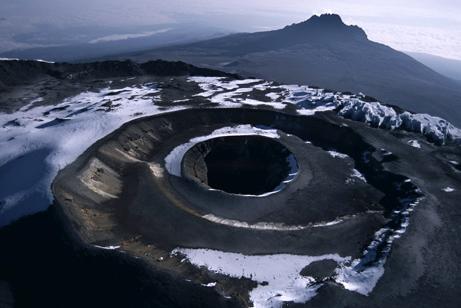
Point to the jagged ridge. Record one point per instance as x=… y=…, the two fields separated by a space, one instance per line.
x=21 y=72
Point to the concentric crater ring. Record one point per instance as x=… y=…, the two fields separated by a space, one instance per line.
x=125 y=180
x=144 y=187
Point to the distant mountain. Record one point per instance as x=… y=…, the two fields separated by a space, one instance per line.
x=448 y=67
x=325 y=52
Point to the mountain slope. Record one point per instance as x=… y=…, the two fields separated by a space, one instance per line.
x=448 y=67
x=323 y=51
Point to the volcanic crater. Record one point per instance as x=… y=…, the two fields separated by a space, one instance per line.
x=255 y=177
x=251 y=165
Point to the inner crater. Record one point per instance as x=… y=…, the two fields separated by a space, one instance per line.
x=250 y=165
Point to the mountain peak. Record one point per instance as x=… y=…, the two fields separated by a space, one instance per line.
x=328 y=25
x=327 y=19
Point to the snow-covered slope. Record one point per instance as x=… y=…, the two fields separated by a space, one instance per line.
x=310 y=100
x=37 y=142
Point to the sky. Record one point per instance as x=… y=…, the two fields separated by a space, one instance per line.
x=429 y=26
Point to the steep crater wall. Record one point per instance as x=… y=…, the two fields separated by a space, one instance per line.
x=239 y=164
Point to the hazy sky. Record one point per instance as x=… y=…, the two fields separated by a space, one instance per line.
x=431 y=26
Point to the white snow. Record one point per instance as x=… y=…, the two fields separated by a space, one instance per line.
x=372 y=113
x=174 y=158
x=357 y=277
x=212 y=85
x=271 y=226
x=107 y=247
x=225 y=92
x=273 y=96
x=312 y=111
x=414 y=143
x=433 y=127
x=448 y=189
x=378 y=115
x=357 y=175
x=281 y=272
x=209 y=285
x=256 y=226
x=44 y=61
x=337 y=154
x=362 y=282
x=310 y=100
x=181 y=100
x=253 y=102
x=37 y=154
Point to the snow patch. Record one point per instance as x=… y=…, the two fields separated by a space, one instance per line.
x=225 y=92
x=337 y=154
x=107 y=247
x=357 y=175
x=278 y=275
x=414 y=143
x=209 y=285
x=89 y=116
x=309 y=100
x=273 y=96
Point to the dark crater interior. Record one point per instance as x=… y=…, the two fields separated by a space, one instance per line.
x=239 y=164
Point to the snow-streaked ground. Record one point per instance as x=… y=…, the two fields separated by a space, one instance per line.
x=270 y=226
x=37 y=142
x=278 y=275
x=309 y=101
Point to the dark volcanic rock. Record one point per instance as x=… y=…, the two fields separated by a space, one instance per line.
x=179 y=68
x=22 y=72
x=320 y=269
x=46 y=267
